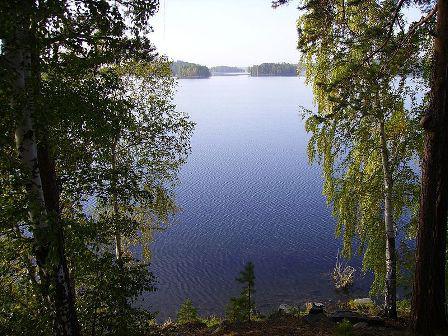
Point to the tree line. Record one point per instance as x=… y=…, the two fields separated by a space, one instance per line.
x=182 y=69
x=274 y=69
x=368 y=65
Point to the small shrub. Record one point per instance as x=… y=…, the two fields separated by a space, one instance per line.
x=403 y=307
x=238 y=309
x=297 y=312
x=368 y=308
x=211 y=321
x=187 y=313
x=343 y=276
x=344 y=328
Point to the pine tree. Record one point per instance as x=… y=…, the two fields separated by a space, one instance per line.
x=187 y=313
x=240 y=308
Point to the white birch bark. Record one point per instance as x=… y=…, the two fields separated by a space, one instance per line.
x=390 y=304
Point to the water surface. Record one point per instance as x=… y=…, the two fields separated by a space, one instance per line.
x=247 y=193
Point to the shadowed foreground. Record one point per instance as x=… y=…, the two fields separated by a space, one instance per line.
x=287 y=325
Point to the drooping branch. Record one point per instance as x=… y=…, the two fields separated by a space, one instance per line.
x=388 y=35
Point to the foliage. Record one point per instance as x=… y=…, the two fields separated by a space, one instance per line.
x=247 y=277
x=344 y=328
x=367 y=307
x=151 y=146
x=187 y=313
x=355 y=94
x=274 y=69
x=211 y=321
x=23 y=310
x=294 y=311
x=182 y=69
x=99 y=84
x=404 y=308
x=240 y=308
x=154 y=145
x=106 y=291
x=406 y=269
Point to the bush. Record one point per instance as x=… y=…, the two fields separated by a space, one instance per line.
x=238 y=309
x=187 y=313
x=365 y=307
x=403 y=307
x=344 y=328
x=211 y=321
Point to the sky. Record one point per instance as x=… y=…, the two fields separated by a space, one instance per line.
x=226 y=32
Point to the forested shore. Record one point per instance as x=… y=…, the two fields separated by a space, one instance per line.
x=187 y=70
x=275 y=69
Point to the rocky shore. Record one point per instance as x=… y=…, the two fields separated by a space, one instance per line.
x=315 y=319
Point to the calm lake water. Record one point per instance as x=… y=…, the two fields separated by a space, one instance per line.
x=247 y=193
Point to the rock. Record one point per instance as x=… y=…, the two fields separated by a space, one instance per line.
x=315 y=308
x=360 y=325
x=340 y=315
x=316 y=318
x=355 y=318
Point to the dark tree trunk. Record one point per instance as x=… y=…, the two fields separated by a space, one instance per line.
x=63 y=295
x=428 y=302
x=66 y=322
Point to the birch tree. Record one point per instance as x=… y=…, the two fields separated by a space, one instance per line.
x=425 y=37
x=362 y=134
x=35 y=36
x=123 y=160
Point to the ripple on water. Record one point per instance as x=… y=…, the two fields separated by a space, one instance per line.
x=246 y=193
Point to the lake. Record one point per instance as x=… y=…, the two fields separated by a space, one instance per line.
x=247 y=193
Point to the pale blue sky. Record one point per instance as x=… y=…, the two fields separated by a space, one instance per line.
x=226 y=32
x=229 y=32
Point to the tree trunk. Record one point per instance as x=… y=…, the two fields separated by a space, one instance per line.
x=19 y=61
x=118 y=248
x=19 y=58
x=428 y=301
x=390 y=294
x=250 y=301
x=66 y=322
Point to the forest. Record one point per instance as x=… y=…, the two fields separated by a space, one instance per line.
x=274 y=69
x=92 y=146
x=182 y=69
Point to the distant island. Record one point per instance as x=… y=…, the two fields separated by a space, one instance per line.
x=183 y=69
x=222 y=70
x=275 y=69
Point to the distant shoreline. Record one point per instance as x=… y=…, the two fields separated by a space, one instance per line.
x=237 y=75
x=186 y=70
x=217 y=74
